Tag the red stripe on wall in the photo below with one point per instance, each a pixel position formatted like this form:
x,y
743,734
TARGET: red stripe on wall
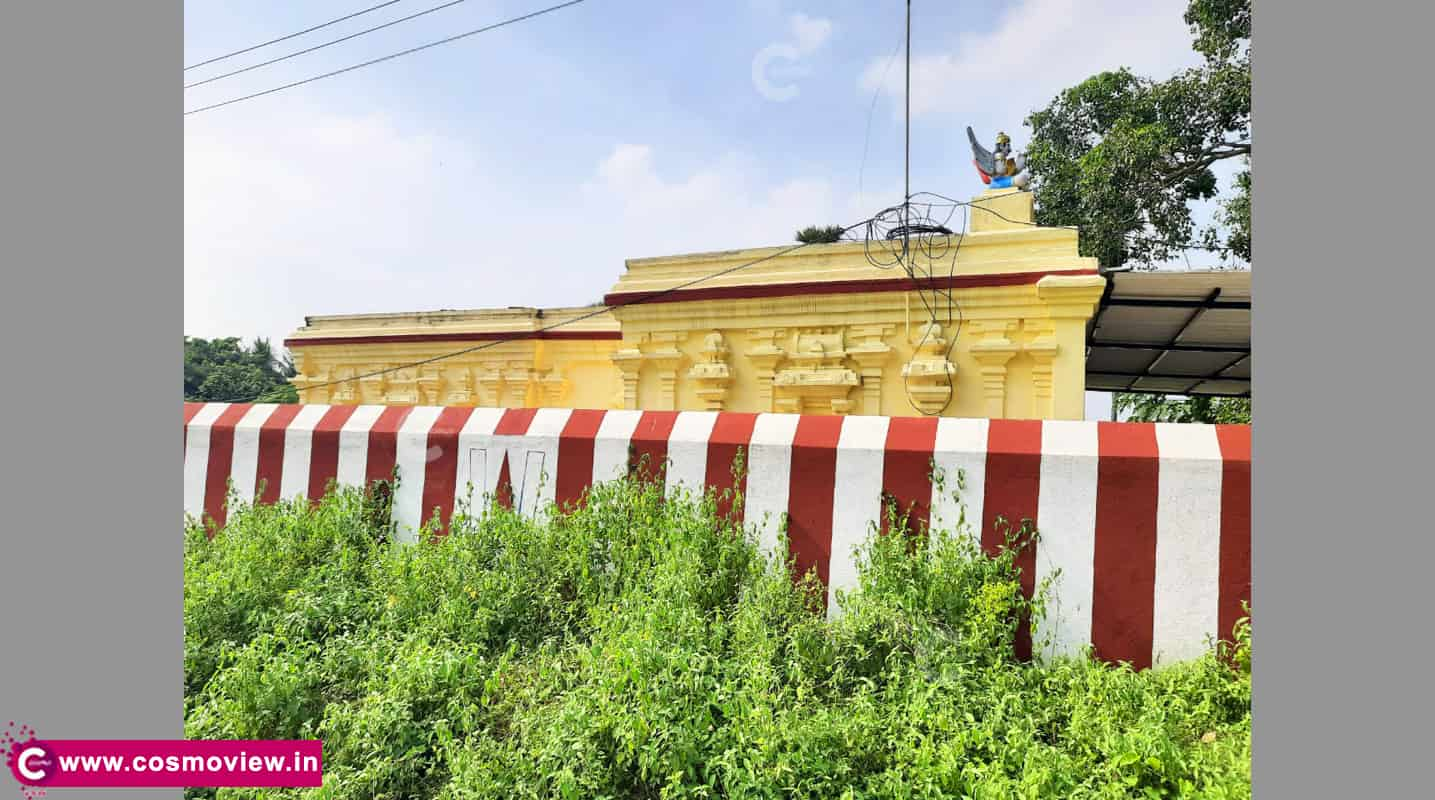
x,y
515,422
384,444
731,432
1012,490
1123,603
269,472
907,471
190,409
441,467
1235,564
649,444
810,493
575,457
324,450
221,458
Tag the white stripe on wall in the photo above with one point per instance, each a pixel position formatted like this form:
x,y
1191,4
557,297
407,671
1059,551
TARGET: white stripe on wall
x,y
1188,541
769,476
411,457
354,445
856,498
244,461
688,452
960,451
298,449
1066,527
540,489
610,445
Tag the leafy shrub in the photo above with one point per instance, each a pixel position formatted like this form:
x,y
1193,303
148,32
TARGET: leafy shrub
x,y
644,646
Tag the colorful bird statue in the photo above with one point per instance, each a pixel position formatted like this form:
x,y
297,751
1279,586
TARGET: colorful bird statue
x,y
1001,168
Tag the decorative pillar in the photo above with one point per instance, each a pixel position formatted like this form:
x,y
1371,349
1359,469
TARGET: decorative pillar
x,y
666,358
765,354
551,388
459,385
490,385
870,352
992,352
1042,348
629,362
515,384
429,386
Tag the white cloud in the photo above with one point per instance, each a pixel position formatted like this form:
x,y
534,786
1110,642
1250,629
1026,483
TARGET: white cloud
x,y
313,213
1036,49
808,34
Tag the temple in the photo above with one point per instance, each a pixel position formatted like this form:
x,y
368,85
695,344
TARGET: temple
x,y
1001,332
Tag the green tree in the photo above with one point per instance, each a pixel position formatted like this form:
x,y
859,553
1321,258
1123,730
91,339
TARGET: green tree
x,y
1160,408
225,371
1123,156
824,234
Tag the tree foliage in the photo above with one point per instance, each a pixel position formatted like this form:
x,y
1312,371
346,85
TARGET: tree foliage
x,y
1123,156
1160,408
824,234
225,371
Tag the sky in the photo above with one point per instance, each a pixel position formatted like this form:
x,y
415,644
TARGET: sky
x,y
523,165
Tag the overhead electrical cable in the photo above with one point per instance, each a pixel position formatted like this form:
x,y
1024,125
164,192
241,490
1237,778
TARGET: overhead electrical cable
x,y
329,43
389,57
290,36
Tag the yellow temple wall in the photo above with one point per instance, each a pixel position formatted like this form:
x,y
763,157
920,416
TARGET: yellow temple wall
x,y
817,330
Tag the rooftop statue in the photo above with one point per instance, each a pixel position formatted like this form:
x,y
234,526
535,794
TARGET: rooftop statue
x,y
1000,169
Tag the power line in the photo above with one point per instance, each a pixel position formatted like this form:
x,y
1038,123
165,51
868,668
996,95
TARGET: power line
x,y
324,45
647,298
291,36
386,58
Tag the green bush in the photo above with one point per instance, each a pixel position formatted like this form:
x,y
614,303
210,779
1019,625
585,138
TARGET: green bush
x,y
644,647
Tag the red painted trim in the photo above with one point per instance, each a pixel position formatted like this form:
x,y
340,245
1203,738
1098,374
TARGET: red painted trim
x,y
483,336
732,431
324,450
441,466
1123,603
648,445
221,461
810,493
863,286
1234,583
383,450
1012,492
907,471
269,471
575,457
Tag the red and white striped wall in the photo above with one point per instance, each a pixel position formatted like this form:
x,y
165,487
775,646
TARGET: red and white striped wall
x,y
1145,526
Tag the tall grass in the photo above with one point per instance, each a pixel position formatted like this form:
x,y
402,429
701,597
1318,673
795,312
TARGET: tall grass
x,y
643,647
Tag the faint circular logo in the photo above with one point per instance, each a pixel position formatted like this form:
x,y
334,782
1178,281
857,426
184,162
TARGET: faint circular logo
x,y
34,763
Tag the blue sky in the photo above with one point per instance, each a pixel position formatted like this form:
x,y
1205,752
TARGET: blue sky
x,y
521,166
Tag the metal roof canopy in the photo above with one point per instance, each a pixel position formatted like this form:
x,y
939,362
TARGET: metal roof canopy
x,y
1186,333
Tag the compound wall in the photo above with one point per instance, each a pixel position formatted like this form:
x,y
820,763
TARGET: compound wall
x,y
1147,524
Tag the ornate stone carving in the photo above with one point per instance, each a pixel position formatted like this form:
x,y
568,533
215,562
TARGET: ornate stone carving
x,y
929,376
816,380
551,389
429,385
490,385
711,374
458,387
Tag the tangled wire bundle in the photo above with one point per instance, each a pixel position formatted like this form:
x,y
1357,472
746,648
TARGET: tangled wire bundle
x,y
917,237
